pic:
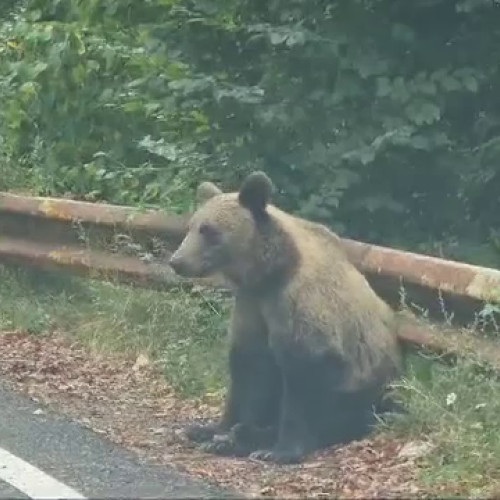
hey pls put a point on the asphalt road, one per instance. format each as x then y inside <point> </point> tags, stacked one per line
<point>74,457</point>
<point>9,492</point>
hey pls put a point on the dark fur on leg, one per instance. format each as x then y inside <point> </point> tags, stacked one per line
<point>252,406</point>
<point>294,437</point>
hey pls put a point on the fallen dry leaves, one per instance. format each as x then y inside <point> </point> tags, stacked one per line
<point>129,402</point>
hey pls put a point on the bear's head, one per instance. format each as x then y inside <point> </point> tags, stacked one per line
<point>224,233</point>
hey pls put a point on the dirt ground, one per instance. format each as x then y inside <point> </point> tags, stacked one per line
<point>131,404</point>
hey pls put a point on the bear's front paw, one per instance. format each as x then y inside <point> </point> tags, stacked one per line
<point>278,456</point>
<point>222,444</point>
<point>199,433</point>
<point>253,437</point>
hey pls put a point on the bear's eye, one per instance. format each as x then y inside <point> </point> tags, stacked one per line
<point>210,233</point>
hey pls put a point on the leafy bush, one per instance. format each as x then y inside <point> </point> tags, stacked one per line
<point>378,117</point>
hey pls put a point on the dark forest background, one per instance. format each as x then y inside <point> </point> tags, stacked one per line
<point>378,117</point>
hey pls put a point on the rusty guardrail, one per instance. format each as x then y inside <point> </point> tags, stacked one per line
<point>123,243</point>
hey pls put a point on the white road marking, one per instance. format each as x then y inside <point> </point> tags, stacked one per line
<point>32,481</point>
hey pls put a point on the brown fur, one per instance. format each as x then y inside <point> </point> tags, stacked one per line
<point>312,345</point>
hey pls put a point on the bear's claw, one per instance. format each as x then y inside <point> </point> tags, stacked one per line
<point>276,456</point>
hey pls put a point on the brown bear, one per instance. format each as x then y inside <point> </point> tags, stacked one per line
<point>312,347</point>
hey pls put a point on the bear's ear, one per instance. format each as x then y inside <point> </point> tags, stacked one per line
<point>255,192</point>
<point>205,191</point>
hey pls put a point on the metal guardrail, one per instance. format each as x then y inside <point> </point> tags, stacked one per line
<point>122,243</point>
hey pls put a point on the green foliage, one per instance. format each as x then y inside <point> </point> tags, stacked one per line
<point>378,117</point>
<point>77,106</point>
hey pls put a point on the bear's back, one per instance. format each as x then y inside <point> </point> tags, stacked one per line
<point>336,297</point>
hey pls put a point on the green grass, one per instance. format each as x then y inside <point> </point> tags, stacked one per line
<point>456,407</point>
<point>184,332</point>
